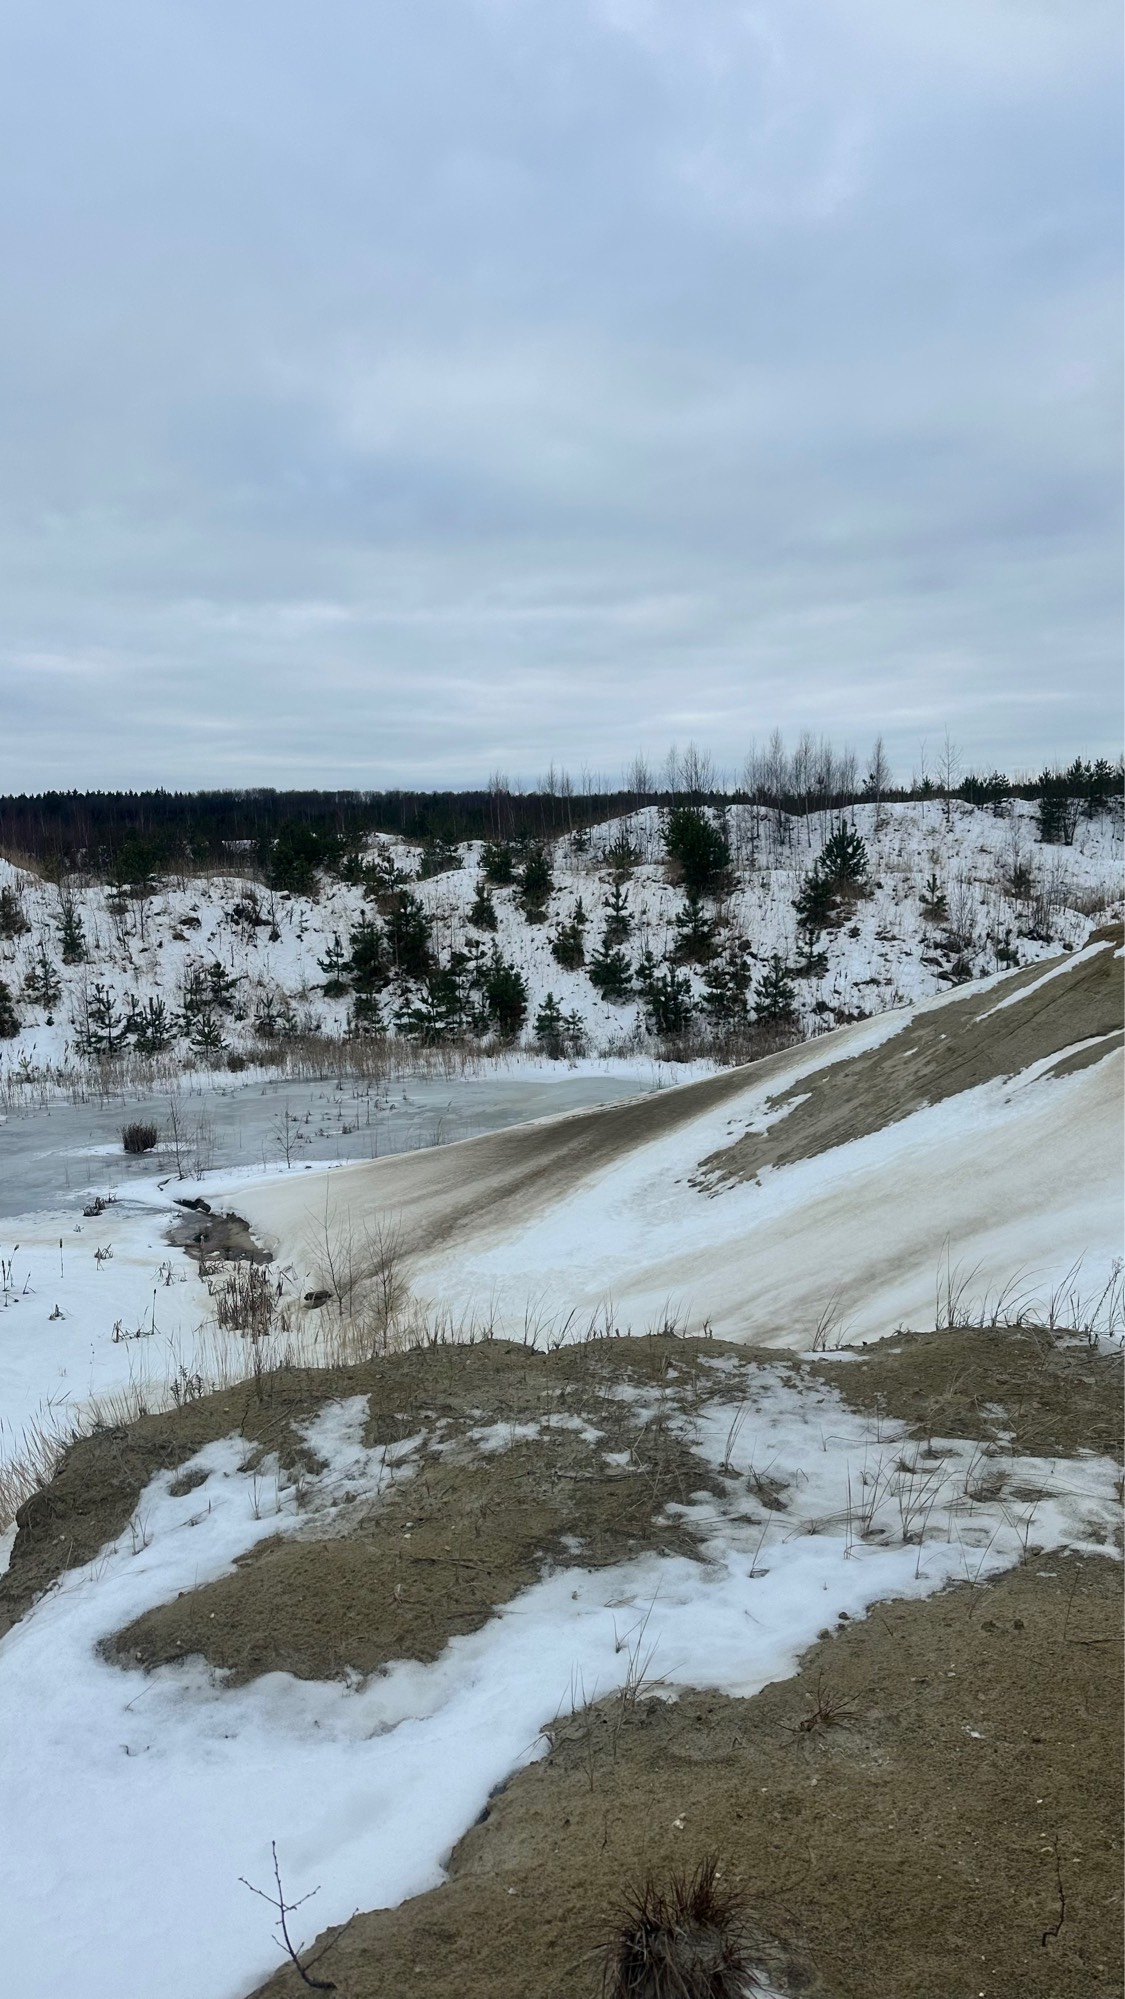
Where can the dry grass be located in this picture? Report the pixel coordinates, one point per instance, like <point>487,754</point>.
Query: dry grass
<point>680,1939</point>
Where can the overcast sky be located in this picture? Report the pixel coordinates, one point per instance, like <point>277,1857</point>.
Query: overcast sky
<point>390,393</point>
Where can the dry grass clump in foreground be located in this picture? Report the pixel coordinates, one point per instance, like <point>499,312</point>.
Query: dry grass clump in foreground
<point>959,1832</point>
<point>684,1938</point>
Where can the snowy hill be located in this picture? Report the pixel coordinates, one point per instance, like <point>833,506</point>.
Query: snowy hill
<point>970,1143</point>
<point>237,973</point>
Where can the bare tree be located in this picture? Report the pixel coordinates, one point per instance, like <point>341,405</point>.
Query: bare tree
<point>697,773</point>
<point>949,770</point>
<point>877,782</point>
<point>285,1909</point>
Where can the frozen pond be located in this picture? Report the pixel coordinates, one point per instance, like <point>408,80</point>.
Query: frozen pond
<point>56,1158</point>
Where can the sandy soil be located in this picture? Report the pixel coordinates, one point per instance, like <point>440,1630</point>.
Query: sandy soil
<point>931,1807</point>
<point>632,1202</point>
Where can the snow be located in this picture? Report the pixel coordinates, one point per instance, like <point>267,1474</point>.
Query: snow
<point>885,957</point>
<point>137,1802</point>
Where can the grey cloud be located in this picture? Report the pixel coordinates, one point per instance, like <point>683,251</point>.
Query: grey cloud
<point>392,393</point>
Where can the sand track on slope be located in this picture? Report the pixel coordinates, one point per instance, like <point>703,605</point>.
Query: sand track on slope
<point>984,1127</point>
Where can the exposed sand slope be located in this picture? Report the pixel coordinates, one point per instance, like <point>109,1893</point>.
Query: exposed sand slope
<point>980,1133</point>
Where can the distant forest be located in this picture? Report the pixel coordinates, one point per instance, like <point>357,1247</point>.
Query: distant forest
<point>122,832</point>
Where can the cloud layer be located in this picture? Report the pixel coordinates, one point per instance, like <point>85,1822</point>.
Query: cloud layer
<point>390,394</point>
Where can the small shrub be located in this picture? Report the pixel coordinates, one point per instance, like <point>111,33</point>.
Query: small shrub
<point>139,1136</point>
<point>245,1303</point>
<point>686,1940</point>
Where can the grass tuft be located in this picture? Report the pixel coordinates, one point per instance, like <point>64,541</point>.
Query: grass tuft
<point>139,1136</point>
<point>684,1939</point>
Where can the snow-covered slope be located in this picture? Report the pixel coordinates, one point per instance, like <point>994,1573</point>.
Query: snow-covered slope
<point>970,1143</point>
<point>1008,899</point>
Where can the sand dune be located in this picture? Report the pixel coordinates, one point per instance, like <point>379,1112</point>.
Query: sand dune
<point>977,1136</point>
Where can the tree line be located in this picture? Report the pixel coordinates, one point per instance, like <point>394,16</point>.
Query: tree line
<point>126,835</point>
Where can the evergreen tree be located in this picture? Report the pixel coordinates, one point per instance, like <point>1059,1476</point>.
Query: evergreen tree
<point>9,1018</point>
<point>669,1003</point>
<point>1060,802</point>
<point>558,1034</point>
<point>408,935</point>
<point>440,1011</point>
<point>504,990</point>
<point>815,904</point>
<point>291,860</point>
<point>775,1000</point>
<point>699,848</point>
<point>42,984</point>
<point>843,860</point>
<point>149,1027</point>
<point>621,856</point>
<point>222,988</point>
<point>13,922</point>
<point>935,907</point>
<point>695,932</point>
<point>366,966</point>
<point>726,985</point>
<point>206,1033</point>
<point>72,937</point>
<point>438,857</point>
<point>101,1030</point>
<point>619,921</point>
<point>497,864</point>
<point>334,965</point>
<point>366,1014</point>
<point>1103,785</point>
<point>568,945</point>
<point>611,974</point>
<point>536,883</point>
<point>382,879</point>
<point>482,911</point>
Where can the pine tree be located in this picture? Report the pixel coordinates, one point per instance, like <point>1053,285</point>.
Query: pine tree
<point>72,937</point>
<point>699,848</point>
<point>619,921</point>
<point>505,995</point>
<point>726,984</point>
<point>843,860</point>
<point>366,966</point>
<point>669,1003</point>
<point>622,856</point>
<point>497,864</point>
<point>482,910</point>
<point>13,922</point>
<point>815,904</point>
<point>536,883</point>
<point>102,1029</point>
<point>206,1032</point>
<point>366,1014</point>
<point>549,1030</point>
<point>611,974</point>
<point>560,1035</point>
<point>408,935</point>
<point>334,965</point>
<point>568,945</point>
<point>221,987</point>
<point>1060,802</point>
<point>775,1000</point>
<point>42,984</point>
<point>439,1011</point>
<point>438,857</point>
<point>149,1027</point>
<point>9,1018</point>
<point>695,932</point>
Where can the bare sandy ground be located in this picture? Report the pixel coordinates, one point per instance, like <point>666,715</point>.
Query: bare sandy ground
<point>968,1143</point>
